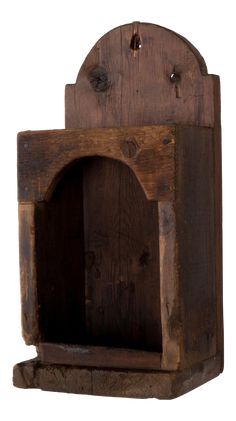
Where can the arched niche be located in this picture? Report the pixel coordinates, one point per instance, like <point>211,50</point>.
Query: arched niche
<point>98,259</point>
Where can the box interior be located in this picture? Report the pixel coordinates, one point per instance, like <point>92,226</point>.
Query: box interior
<point>97,259</point>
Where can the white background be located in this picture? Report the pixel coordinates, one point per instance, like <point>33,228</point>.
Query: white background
<point>42,45</point>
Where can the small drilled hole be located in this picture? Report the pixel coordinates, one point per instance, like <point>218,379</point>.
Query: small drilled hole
<point>175,77</point>
<point>135,43</point>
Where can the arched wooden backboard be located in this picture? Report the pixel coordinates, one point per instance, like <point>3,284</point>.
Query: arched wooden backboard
<point>142,74</point>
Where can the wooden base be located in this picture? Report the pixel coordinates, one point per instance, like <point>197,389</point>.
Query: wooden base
<point>118,383</point>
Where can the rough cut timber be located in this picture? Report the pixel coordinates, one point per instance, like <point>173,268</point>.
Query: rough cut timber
<point>120,225</point>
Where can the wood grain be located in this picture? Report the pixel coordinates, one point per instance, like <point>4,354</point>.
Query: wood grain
<point>124,206</point>
<point>60,261</point>
<point>44,155</point>
<point>105,254</point>
<point>111,382</point>
<point>139,89</point>
<point>195,228</point>
<point>164,81</point>
<point>99,356</point>
<point>29,299</point>
<point>218,218</point>
<point>169,290</point>
<point>122,276</point>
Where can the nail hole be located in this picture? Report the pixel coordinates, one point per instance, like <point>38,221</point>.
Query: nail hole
<point>175,77</point>
<point>135,43</point>
<point>166,141</point>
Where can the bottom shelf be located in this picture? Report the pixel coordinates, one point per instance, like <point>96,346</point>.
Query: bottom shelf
<point>98,356</point>
<point>114,382</point>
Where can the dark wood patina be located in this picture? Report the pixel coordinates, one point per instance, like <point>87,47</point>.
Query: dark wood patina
<point>120,225</point>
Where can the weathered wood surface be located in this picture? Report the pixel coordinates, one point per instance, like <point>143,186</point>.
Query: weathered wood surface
<point>102,284</point>
<point>60,262</point>
<point>190,157</point>
<point>195,231</point>
<point>43,155</point>
<point>218,217</point>
<point>172,333</point>
<point>121,259</point>
<point>118,86</point>
<point>136,75</point>
<point>99,356</point>
<point>123,383</point>
<point>161,80</point>
<point>29,299</point>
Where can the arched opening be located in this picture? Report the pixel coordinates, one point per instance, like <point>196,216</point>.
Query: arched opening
<point>98,259</point>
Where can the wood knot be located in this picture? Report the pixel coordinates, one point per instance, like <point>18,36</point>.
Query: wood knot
<point>98,79</point>
<point>129,147</point>
<point>89,259</point>
<point>166,141</point>
<point>166,221</point>
<point>144,258</point>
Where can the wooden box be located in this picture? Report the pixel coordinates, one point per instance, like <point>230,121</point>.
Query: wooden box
<point>120,225</point>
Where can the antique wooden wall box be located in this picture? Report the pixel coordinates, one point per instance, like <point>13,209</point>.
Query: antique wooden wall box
<point>120,225</point>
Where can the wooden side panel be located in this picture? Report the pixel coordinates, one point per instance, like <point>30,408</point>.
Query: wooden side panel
<point>172,335</point>
<point>218,218</point>
<point>122,254</point>
<point>196,241</point>
<point>29,303</point>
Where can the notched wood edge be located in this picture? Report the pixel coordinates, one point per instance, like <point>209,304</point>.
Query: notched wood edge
<point>69,98</point>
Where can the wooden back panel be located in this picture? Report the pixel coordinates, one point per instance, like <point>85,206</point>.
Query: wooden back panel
<point>142,74</point>
<point>164,81</point>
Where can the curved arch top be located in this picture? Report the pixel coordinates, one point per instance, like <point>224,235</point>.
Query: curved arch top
<point>147,151</point>
<point>142,74</point>
<point>159,32</point>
